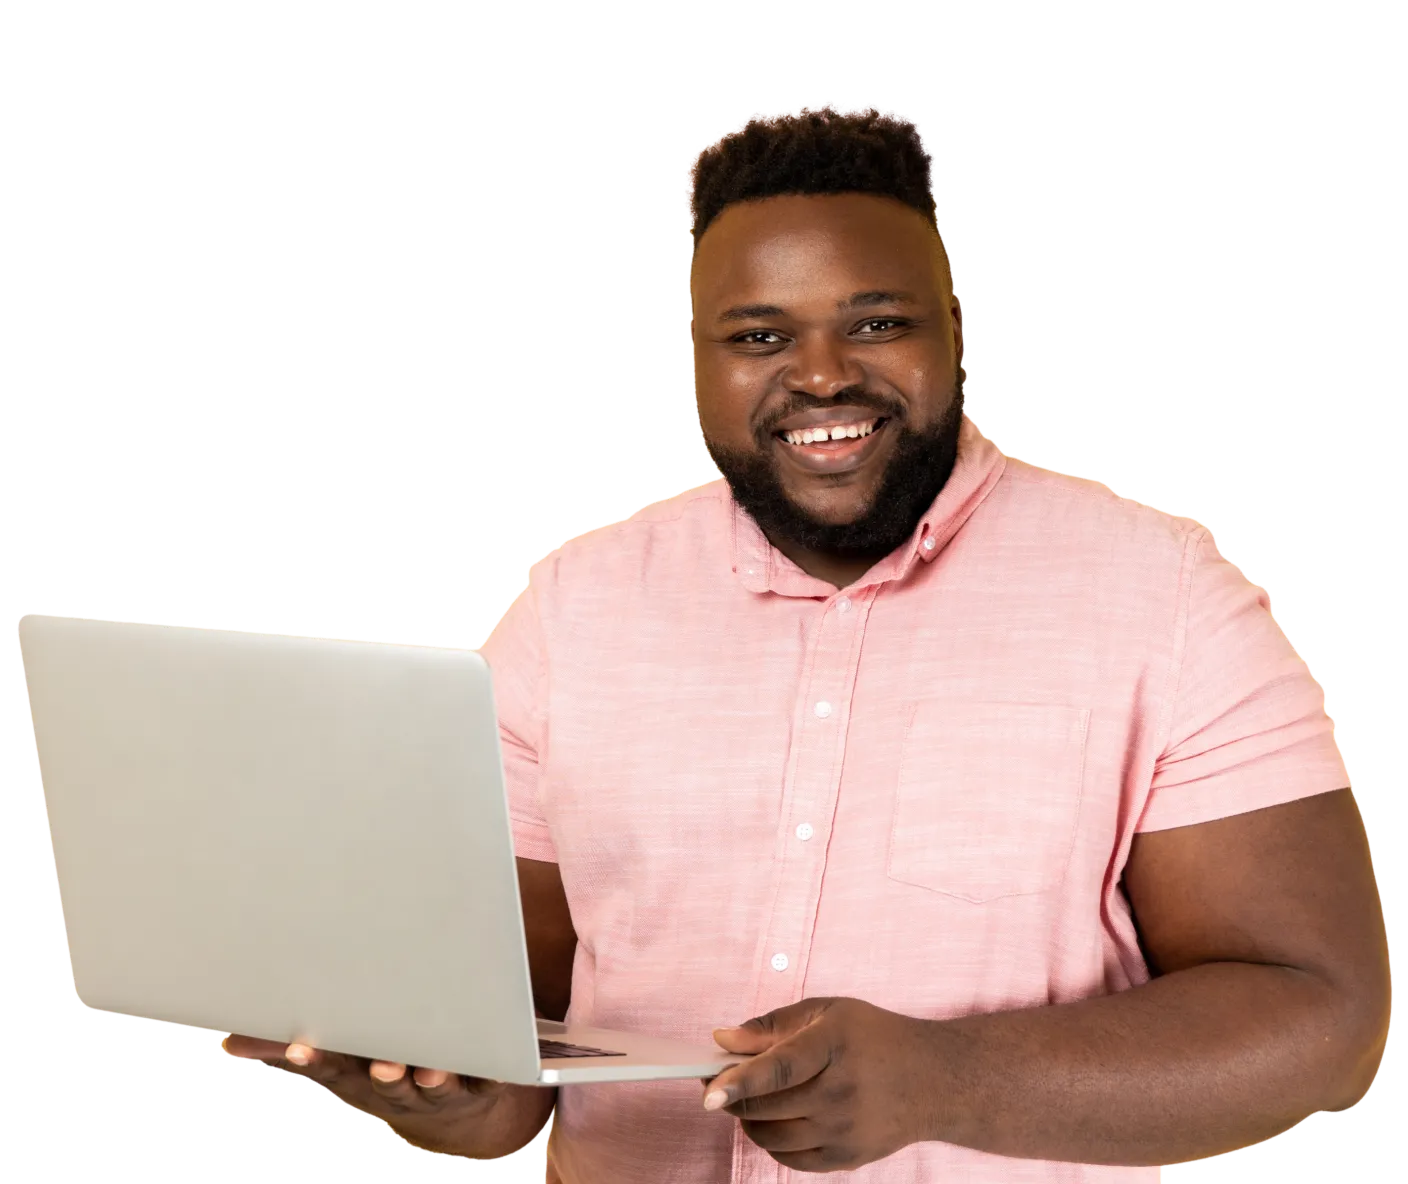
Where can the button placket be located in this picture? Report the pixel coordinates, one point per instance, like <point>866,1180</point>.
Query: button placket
<point>821,710</point>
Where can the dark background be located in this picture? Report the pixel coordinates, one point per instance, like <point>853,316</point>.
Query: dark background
<point>323,356</point>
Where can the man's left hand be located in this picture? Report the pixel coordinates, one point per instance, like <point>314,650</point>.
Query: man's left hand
<point>834,1084</point>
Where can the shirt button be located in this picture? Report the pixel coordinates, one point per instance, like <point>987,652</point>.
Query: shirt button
<point>822,709</point>
<point>804,832</point>
<point>779,961</point>
<point>929,543</point>
<point>843,605</point>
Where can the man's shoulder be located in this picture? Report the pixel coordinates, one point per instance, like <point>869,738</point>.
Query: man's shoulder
<point>1064,506</point>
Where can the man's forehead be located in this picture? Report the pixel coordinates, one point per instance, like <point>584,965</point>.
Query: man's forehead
<point>819,246</point>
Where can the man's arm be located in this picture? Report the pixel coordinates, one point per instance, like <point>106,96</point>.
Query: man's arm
<point>552,939</point>
<point>1270,1002</point>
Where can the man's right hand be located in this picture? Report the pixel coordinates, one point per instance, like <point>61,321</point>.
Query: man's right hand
<point>429,1108</point>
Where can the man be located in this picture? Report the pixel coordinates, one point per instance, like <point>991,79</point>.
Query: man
<point>903,745</point>
<point>1000,803</point>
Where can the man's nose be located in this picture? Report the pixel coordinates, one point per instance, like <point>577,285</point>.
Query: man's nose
<point>822,366</point>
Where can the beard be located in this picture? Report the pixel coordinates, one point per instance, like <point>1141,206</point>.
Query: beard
<point>917,470</point>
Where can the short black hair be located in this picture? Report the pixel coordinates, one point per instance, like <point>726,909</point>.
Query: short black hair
<point>816,152</point>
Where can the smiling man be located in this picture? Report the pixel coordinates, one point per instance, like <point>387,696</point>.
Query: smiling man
<point>995,808</point>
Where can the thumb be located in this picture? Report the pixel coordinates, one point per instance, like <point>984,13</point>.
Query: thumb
<point>746,1038</point>
<point>762,1032</point>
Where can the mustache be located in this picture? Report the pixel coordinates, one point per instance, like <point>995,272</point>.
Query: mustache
<point>841,400</point>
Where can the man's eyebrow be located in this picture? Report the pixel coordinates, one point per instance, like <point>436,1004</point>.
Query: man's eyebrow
<point>753,312</point>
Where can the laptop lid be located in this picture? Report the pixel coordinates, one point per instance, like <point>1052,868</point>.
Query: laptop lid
<point>285,837</point>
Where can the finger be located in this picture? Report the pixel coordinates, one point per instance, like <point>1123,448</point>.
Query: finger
<point>250,1047</point>
<point>253,1048</point>
<point>763,1031</point>
<point>430,1080</point>
<point>783,1135</point>
<point>795,1060</point>
<point>301,1059</point>
<point>392,1085</point>
<point>389,1077</point>
<point>440,1086</point>
<point>406,1083</point>
<point>802,1101</point>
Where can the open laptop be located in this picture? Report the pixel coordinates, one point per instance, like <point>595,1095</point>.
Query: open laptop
<point>299,839</point>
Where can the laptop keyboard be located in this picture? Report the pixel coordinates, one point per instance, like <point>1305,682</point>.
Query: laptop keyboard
<point>560,1048</point>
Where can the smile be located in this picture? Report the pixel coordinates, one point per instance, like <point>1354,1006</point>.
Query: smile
<point>832,448</point>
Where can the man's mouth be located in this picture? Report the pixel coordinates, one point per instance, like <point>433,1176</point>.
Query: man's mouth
<point>834,445</point>
<point>831,433</point>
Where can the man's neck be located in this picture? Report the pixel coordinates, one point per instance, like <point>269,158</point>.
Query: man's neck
<point>836,570</point>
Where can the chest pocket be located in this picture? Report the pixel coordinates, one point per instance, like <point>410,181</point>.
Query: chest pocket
<point>988,797</point>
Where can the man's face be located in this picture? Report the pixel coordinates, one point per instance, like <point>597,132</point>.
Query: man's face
<point>826,350</point>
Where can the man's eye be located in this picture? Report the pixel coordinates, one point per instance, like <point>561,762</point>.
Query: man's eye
<point>758,337</point>
<point>745,338</point>
<point>878,325</point>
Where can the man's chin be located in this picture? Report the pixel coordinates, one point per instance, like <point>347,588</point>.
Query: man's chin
<point>849,530</point>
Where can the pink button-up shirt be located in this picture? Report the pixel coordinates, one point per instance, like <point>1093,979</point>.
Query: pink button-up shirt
<point>919,791</point>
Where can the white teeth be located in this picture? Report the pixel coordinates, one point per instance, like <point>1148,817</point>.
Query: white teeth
<point>849,431</point>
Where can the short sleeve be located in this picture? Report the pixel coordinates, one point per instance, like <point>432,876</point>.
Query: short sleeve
<point>1247,725</point>
<point>515,656</point>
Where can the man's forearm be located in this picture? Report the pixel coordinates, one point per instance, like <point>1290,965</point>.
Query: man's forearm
<point>1199,1062</point>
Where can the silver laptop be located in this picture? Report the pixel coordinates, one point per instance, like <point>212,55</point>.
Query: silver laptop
<point>298,839</point>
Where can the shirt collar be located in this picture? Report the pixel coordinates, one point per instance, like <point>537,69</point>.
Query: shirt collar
<point>761,567</point>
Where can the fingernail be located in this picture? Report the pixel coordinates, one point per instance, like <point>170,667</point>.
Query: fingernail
<point>225,1044</point>
<point>387,1073</point>
<point>299,1054</point>
<point>715,1099</point>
